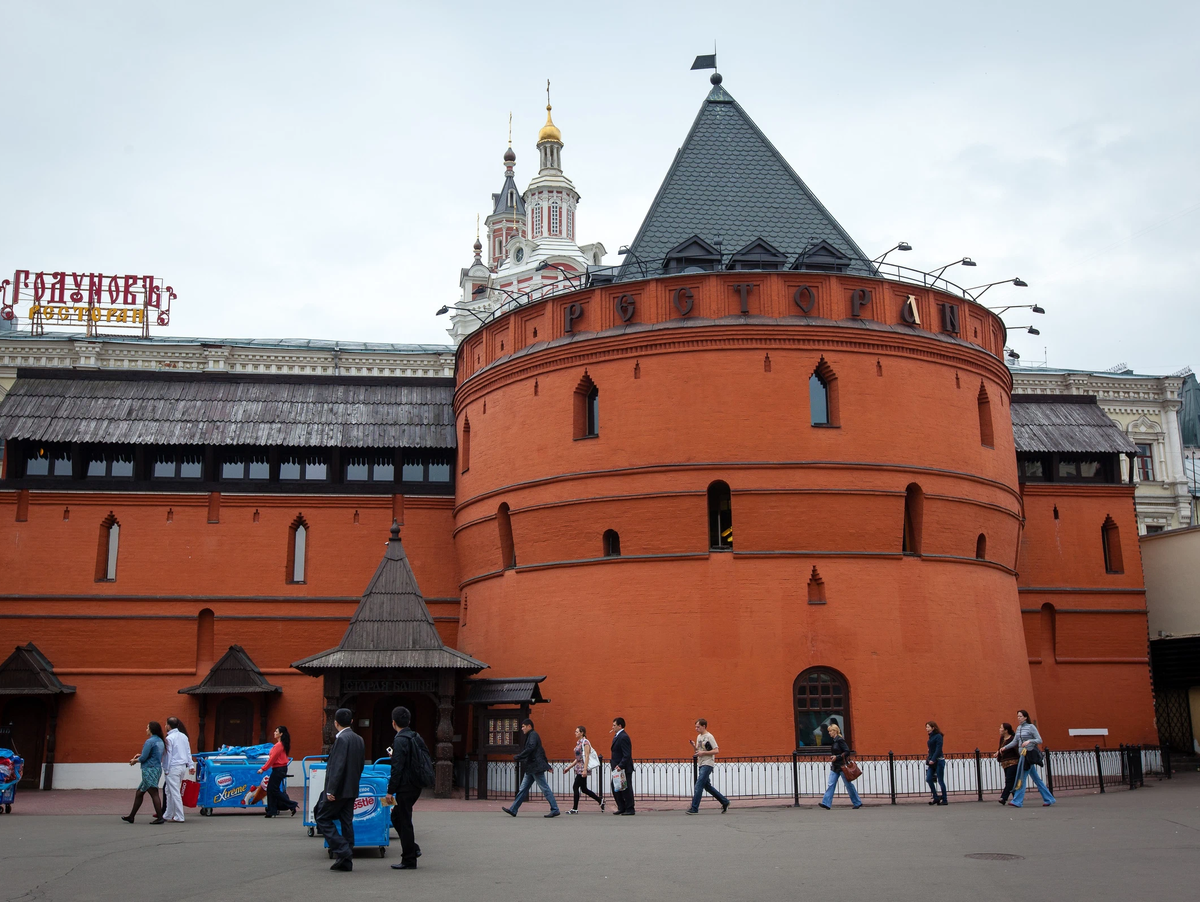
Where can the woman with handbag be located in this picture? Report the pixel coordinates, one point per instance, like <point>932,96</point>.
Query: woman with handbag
<point>586,760</point>
<point>935,763</point>
<point>1026,742</point>
<point>841,767</point>
<point>1008,758</point>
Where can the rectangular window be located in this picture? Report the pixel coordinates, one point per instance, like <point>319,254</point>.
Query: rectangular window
<point>383,469</point>
<point>316,469</point>
<point>62,463</point>
<point>121,465</point>
<point>37,462</point>
<point>233,467</point>
<point>370,467</point>
<point>311,466</point>
<point>413,470</point>
<point>358,469</point>
<point>116,464</point>
<point>258,466</point>
<point>164,465</point>
<point>1032,470</point>
<point>1145,462</point>
<point>289,468</point>
<point>97,466</point>
<point>1068,469</point>
<point>439,471</point>
<point>191,465</point>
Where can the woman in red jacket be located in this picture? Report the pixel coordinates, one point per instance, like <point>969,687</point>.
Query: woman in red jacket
<point>277,761</point>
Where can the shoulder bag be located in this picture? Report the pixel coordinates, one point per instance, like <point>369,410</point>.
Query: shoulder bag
<point>593,760</point>
<point>850,770</point>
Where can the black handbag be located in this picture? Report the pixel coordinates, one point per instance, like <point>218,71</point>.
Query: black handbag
<point>1033,757</point>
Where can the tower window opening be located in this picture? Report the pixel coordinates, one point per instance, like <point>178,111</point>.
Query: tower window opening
<point>914,505</point>
<point>985,418</point>
<point>464,451</point>
<point>587,408</point>
<point>508,552</point>
<point>981,548</point>
<point>1110,534</point>
<point>823,395</point>
<point>297,550</point>
<point>720,517</point>
<point>612,543</point>
<point>106,554</point>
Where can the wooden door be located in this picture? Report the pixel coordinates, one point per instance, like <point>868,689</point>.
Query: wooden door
<point>235,722</point>
<point>28,719</point>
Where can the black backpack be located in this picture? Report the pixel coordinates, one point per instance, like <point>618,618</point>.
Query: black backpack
<point>420,765</point>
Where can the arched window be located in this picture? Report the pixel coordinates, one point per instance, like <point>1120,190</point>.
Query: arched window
<point>823,395</point>
<point>914,508</point>
<point>821,697</point>
<point>106,553</point>
<point>587,408</point>
<point>205,638</point>
<point>508,554</point>
<point>464,447</point>
<point>720,517</point>
<point>985,418</point>
<point>1111,536</point>
<point>297,556</point>
<point>612,543</point>
<point>981,548</point>
<point>537,221</point>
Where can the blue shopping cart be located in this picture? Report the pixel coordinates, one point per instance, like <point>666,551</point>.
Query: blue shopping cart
<point>8,790</point>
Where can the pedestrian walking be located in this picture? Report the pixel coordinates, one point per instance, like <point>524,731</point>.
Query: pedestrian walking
<point>705,751</point>
<point>151,761</point>
<point>404,787</point>
<point>584,756</point>
<point>841,756</point>
<point>935,763</point>
<point>343,769</point>
<point>532,759</point>
<point>1008,758</point>
<point>277,763</point>
<point>1026,742</point>
<point>177,764</point>
<point>622,768</point>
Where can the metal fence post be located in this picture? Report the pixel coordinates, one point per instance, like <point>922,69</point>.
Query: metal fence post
<point>892,775</point>
<point>1099,769</point>
<point>1164,752</point>
<point>1049,773</point>
<point>979,775</point>
<point>795,782</point>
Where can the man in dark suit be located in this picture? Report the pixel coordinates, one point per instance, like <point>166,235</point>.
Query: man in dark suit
<point>622,759</point>
<point>403,786</point>
<point>342,772</point>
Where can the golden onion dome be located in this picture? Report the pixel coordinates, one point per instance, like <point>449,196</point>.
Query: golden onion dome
<point>549,131</point>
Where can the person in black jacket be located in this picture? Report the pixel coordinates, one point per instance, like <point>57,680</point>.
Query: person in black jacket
<point>935,763</point>
<point>622,760</point>
<point>841,752</point>
<point>403,786</point>
<point>342,772</point>
<point>533,759</point>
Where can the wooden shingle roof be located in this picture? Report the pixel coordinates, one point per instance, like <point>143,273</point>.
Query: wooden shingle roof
<point>29,672</point>
<point>208,410</point>
<point>236,673</point>
<point>392,627</point>
<point>1066,424</point>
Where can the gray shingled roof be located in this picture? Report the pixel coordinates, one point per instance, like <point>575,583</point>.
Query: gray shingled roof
<point>500,202</point>
<point>1066,424</point>
<point>29,672</point>
<point>235,672</point>
<point>510,691</point>
<point>392,627</point>
<point>729,181</point>
<point>230,411</point>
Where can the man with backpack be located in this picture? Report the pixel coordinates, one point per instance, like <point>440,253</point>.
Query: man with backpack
<point>412,770</point>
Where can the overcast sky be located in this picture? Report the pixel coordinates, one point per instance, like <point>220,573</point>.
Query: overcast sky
<point>315,169</point>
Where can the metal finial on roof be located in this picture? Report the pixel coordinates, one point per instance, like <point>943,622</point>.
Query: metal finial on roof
<point>395,531</point>
<point>715,78</point>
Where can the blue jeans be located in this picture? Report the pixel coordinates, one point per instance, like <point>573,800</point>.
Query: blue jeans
<point>523,792</point>
<point>1023,777</point>
<point>703,782</point>
<point>936,774</point>
<point>834,775</point>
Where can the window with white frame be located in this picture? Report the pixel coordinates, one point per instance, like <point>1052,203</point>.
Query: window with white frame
<point>554,219</point>
<point>1145,463</point>
<point>537,221</point>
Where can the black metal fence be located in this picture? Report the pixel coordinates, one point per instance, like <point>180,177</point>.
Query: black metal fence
<point>805,776</point>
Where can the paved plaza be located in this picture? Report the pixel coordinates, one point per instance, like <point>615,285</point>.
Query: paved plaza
<point>1120,845</point>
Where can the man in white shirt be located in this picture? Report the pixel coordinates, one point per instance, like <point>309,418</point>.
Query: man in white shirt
<point>176,763</point>
<point>705,746</point>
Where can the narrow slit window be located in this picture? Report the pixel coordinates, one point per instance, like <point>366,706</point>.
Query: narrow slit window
<point>464,450</point>
<point>720,517</point>
<point>1110,534</point>
<point>508,553</point>
<point>914,504</point>
<point>587,408</point>
<point>297,550</point>
<point>109,548</point>
<point>986,437</point>
<point>823,395</point>
<point>612,543</point>
<point>981,548</point>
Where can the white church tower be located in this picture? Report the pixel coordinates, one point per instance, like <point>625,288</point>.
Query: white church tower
<point>532,248</point>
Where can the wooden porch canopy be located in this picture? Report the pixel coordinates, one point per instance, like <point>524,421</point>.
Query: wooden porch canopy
<point>392,639</point>
<point>28,672</point>
<point>234,674</point>
<point>513,691</point>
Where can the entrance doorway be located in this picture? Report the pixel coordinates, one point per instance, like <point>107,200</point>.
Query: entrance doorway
<point>28,719</point>
<point>424,722</point>
<point>235,722</point>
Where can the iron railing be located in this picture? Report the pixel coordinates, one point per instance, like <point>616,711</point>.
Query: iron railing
<point>801,775</point>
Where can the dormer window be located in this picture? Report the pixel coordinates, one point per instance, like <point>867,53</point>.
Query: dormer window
<point>693,255</point>
<point>759,254</point>
<point>822,257</point>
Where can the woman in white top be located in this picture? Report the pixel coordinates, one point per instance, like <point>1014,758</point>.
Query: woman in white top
<point>583,754</point>
<point>176,765</point>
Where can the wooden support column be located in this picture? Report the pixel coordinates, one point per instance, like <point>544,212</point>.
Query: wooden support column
<point>443,767</point>
<point>262,716</point>
<point>51,741</point>
<point>203,712</point>
<point>331,690</point>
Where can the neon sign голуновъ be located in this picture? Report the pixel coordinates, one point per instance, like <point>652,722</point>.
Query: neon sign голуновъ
<point>93,299</point>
